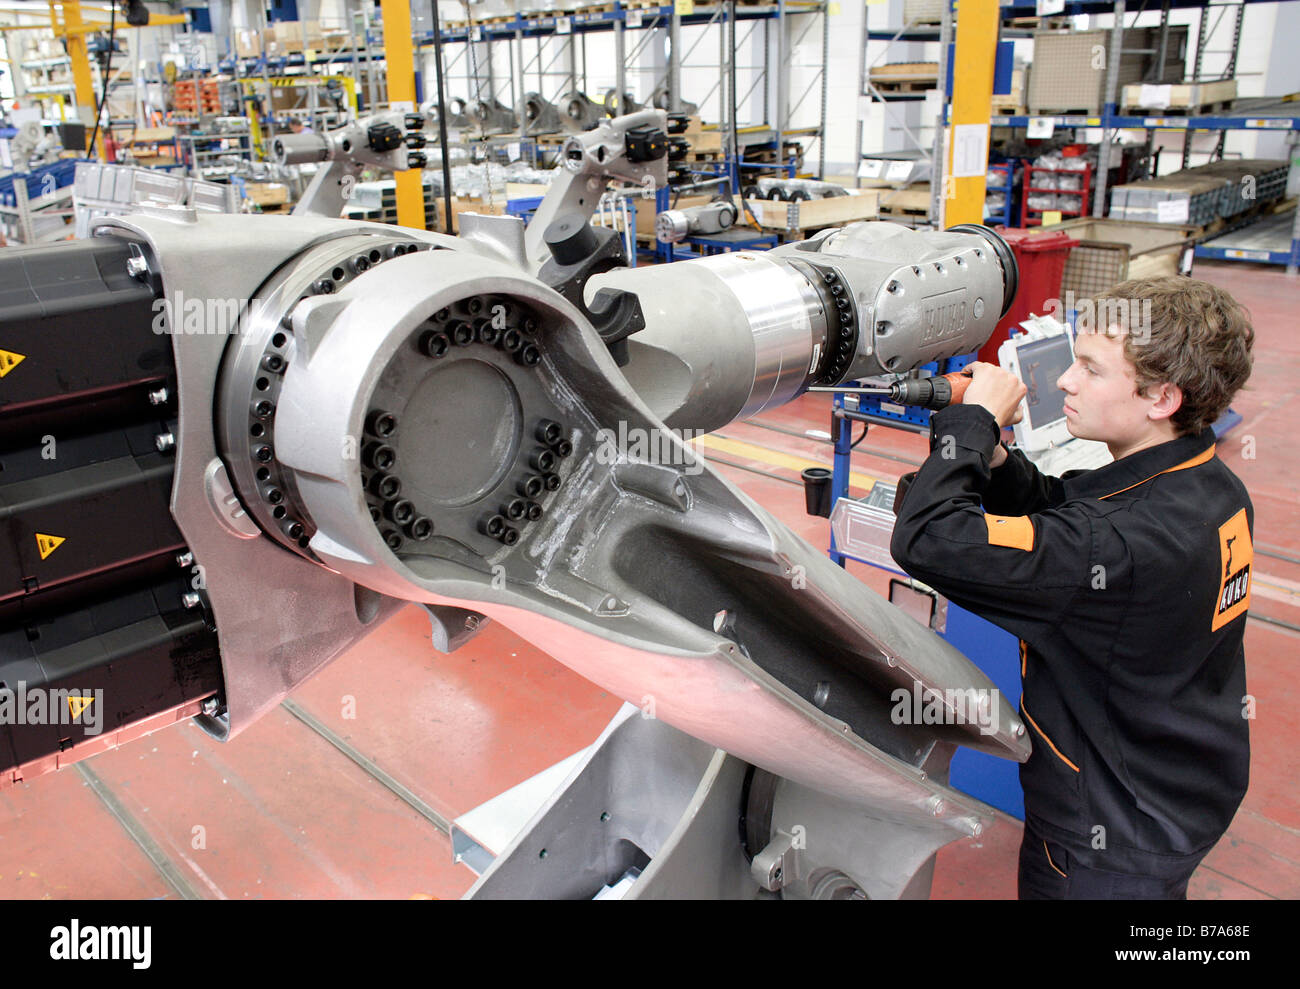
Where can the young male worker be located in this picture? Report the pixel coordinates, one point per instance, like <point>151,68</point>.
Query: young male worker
<point>1127,585</point>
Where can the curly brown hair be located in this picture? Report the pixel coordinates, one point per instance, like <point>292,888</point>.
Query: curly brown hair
<point>1188,333</point>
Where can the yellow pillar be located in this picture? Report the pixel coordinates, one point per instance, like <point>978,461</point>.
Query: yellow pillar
<point>399,56</point>
<point>972,96</point>
<point>82,81</point>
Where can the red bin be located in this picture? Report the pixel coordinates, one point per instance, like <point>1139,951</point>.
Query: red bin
<point>1041,254</point>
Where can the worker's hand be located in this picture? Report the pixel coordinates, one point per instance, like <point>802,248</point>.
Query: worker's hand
<point>997,390</point>
<point>999,457</point>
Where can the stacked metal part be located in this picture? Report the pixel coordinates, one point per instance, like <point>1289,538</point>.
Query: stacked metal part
<point>540,116</point>
<point>580,113</point>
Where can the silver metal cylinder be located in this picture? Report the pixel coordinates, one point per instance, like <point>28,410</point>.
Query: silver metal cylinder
<point>726,336</point>
<point>729,336</point>
<point>672,226</point>
<point>300,149</point>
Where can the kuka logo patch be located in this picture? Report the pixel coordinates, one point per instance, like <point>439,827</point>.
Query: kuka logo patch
<point>1235,557</point>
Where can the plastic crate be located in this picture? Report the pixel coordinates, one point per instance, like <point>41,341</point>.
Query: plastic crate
<point>36,183</point>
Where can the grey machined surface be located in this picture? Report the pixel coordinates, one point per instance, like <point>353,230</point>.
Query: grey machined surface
<point>649,574</point>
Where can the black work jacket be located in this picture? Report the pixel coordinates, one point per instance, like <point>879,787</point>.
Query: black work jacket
<point>1128,587</point>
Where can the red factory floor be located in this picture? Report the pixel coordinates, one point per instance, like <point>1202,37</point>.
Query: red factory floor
<point>284,812</point>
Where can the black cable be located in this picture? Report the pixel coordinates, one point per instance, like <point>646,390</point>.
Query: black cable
<point>108,62</point>
<point>732,139</point>
<point>860,438</point>
<point>442,118</point>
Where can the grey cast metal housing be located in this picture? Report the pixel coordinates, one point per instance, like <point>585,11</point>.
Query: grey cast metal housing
<point>634,562</point>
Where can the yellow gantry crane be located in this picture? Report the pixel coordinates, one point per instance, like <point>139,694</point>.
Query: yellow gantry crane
<point>72,21</point>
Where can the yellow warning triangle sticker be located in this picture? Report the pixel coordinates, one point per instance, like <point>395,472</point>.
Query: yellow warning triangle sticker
<point>76,705</point>
<point>9,360</point>
<point>48,544</point>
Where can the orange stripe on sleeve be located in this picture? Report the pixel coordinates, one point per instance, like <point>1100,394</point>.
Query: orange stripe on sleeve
<point>1014,531</point>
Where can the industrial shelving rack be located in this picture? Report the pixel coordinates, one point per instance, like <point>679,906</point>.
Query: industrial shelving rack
<point>909,32</point>
<point>1083,192</point>
<point>560,37</point>
<point>1007,169</point>
<point>1268,113</point>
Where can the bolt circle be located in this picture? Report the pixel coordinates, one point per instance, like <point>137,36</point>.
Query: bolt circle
<point>380,423</point>
<point>400,511</point>
<point>379,456</point>
<point>486,332</point>
<point>386,486</point>
<point>434,344</point>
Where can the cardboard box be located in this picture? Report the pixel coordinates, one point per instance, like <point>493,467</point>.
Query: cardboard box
<point>1069,68</point>
<point>266,193</point>
<point>1016,97</point>
<point>289,35</point>
<point>1179,96</point>
<point>705,141</point>
<point>813,214</point>
<point>459,206</point>
<point>248,44</point>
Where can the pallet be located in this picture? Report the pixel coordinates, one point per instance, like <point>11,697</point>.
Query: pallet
<point>900,87</point>
<point>1055,112</point>
<point>1207,230</point>
<point>909,201</point>
<point>1037,23</point>
<point>904,212</point>
<point>1007,110</point>
<point>905,77</point>
<point>1202,109</point>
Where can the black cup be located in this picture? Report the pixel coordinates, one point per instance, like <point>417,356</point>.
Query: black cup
<point>817,491</point>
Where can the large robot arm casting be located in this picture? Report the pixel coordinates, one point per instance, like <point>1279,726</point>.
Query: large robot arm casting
<point>325,419</point>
